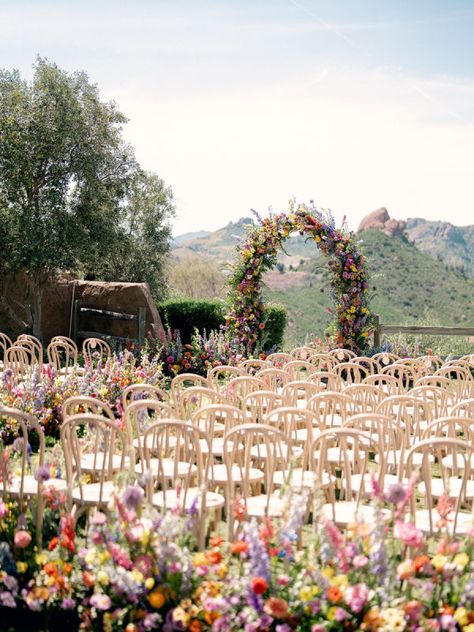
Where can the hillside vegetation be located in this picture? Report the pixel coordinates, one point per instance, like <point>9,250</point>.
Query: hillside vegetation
<point>408,286</point>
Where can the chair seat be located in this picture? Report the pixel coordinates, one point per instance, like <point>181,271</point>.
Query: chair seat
<point>448,461</point>
<point>299,478</point>
<point>217,446</point>
<point>217,429</point>
<point>263,505</point>
<point>218,474</point>
<point>356,481</point>
<point>453,487</point>
<point>91,494</point>
<point>345,512</point>
<point>166,467</point>
<point>139,442</point>
<point>393,457</point>
<point>30,485</point>
<point>170,499</point>
<point>260,452</point>
<point>95,462</point>
<point>464,522</point>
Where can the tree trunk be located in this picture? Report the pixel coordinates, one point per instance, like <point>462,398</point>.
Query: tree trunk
<point>36,285</point>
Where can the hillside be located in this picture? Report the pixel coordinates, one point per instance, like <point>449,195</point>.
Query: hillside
<point>454,245</point>
<point>408,285</point>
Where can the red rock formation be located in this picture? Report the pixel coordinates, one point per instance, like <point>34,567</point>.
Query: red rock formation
<point>380,220</point>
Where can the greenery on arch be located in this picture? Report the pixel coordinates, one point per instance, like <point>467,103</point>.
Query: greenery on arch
<point>258,253</point>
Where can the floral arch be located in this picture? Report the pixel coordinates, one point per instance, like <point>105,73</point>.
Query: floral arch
<point>258,253</point>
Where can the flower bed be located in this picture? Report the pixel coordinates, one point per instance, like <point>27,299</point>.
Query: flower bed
<point>139,571</point>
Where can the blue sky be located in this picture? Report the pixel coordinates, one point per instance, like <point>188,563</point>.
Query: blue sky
<point>244,104</point>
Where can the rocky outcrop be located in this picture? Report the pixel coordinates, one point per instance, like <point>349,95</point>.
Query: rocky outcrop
<point>381,220</point>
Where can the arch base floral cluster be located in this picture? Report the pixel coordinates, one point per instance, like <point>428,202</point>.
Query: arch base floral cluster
<point>258,253</point>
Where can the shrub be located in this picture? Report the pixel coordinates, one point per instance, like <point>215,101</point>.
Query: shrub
<point>186,315</point>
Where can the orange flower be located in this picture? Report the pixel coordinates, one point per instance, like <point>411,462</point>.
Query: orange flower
<point>50,568</point>
<point>210,617</point>
<point>334,594</point>
<point>156,599</point>
<point>67,568</point>
<point>239,547</point>
<point>195,626</point>
<point>420,562</point>
<point>259,585</point>
<point>89,579</point>
<point>216,541</point>
<point>53,544</point>
<point>214,557</point>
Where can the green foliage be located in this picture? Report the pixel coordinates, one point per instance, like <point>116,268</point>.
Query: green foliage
<point>186,315</point>
<point>139,253</point>
<point>72,196</point>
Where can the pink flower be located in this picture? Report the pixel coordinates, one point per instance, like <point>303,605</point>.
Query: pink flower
<point>408,533</point>
<point>99,518</point>
<point>22,539</point>
<point>3,510</point>
<point>360,561</point>
<point>356,597</point>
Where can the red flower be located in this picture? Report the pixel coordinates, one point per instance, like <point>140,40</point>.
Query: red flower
<point>239,547</point>
<point>259,585</point>
<point>53,544</point>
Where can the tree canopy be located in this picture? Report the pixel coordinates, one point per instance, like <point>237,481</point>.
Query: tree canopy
<point>72,195</point>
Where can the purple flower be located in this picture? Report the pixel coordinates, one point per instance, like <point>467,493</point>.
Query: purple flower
<point>42,473</point>
<point>68,603</point>
<point>132,497</point>
<point>396,493</point>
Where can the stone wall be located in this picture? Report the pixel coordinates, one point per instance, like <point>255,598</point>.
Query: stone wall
<point>58,304</point>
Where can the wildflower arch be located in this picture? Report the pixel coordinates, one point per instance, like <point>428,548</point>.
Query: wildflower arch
<point>258,253</point>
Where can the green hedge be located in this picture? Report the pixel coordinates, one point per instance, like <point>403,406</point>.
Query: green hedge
<point>189,314</point>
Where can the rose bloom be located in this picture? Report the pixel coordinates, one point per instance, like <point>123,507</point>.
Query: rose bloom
<point>408,534</point>
<point>22,539</point>
<point>259,585</point>
<point>276,607</point>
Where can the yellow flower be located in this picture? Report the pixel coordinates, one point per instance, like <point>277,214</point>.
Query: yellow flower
<point>102,578</point>
<point>308,592</point>
<point>145,538</point>
<point>137,576</point>
<point>461,559</point>
<point>222,570</point>
<point>328,571</point>
<point>340,580</point>
<point>149,583</point>
<point>469,628</point>
<point>331,614</point>
<point>461,616</point>
<point>41,559</point>
<point>103,556</point>
<point>21,567</point>
<point>181,616</point>
<point>90,557</point>
<point>199,559</point>
<point>439,562</point>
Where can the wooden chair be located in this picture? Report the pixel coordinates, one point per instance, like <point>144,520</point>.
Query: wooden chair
<point>62,356</point>
<point>136,392</point>
<point>351,372</point>
<point>302,353</point>
<point>188,491</point>
<point>298,369</point>
<point>322,361</point>
<point>239,387</point>
<point>365,397</point>
<point>80,404</point>
<point>253,365</point>
<point>278,360</point>
<point>183,381</point>
<point>419,460</point>
<point>405,373</point>
<point>275,379</point>
<point>218,376</point>
<point>299,392</point>
<point>464,408</point>
<point>354,448</point>
<point>369,364</point>
<point>195,397</point>
<point>327,380</point>
<point>19,361</point>
<point>27,486</point>
<point>331,409</point>
<point>5,343</point>
<point>385,358</point>
<point>96,348</point>
<point>438,399</point>
<point>34,346</point>
<point>253,453</point>
<point>66,340</point>
<point>389,384</point>
<point>106,452</point>
<point>342,355</point>
<point>257,404</point>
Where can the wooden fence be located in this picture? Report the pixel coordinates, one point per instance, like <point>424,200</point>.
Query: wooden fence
<point>106,315</point>
<point>436,331</point>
